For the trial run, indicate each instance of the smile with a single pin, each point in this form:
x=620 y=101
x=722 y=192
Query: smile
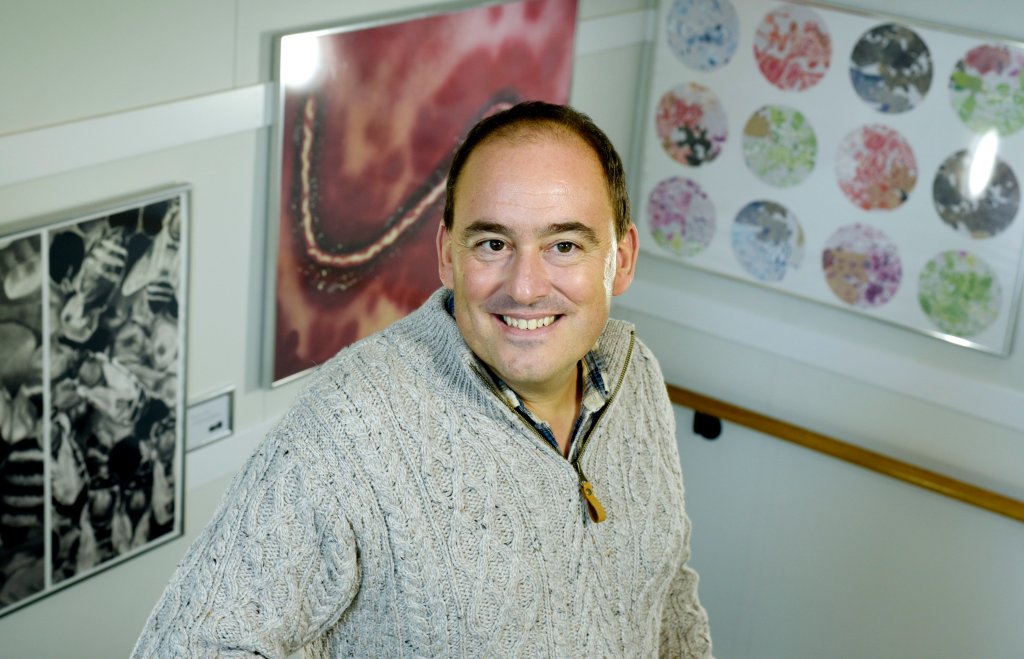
x=528 y=324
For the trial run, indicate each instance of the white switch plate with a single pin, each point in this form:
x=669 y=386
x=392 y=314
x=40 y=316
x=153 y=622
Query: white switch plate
x=209 y=420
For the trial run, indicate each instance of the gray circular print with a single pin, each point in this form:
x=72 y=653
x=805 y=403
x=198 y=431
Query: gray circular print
x=981 y=212
x=891 y=68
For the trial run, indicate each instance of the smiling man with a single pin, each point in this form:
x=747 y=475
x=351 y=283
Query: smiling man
x=533 y=251
x=494 y=475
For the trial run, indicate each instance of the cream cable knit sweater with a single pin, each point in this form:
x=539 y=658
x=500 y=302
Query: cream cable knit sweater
x=400 y=509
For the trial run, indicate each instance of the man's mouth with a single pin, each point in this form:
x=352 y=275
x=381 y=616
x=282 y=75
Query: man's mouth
x=528 y=324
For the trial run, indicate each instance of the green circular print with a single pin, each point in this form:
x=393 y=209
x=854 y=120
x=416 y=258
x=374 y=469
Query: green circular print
x=691 y=124
x=891 y=68
x=779 y=145
x=680 y=216
x=959 y=293
x=980 y=213
x=987 y=90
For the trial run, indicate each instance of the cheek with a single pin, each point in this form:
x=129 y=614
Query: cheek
x=588 y=281
x=477 y=280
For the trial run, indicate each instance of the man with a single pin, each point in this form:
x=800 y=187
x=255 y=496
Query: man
x=494 y=475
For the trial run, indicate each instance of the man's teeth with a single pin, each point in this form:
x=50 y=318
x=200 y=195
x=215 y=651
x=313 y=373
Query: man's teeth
x=531 y=324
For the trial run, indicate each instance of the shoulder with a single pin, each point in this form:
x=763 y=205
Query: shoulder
x=621 y=343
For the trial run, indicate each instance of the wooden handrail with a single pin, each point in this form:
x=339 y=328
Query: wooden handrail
x=882 y=464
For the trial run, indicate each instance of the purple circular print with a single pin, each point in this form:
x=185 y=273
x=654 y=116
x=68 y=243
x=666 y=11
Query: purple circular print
x=876 y=167
x=680 y=216
x=767 y=240
x=984 y=211
x=691 y=124
x=703 y=33
x=987 y=89
x=862 y=266
x=793 y=48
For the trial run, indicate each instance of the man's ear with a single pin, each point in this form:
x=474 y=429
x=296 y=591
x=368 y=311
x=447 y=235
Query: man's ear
x=626 y=253
x=444 y=256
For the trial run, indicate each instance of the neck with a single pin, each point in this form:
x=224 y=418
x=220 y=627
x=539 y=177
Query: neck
x=558 y=407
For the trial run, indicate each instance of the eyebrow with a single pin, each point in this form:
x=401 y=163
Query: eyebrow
x=583 y=230
x=485 y=226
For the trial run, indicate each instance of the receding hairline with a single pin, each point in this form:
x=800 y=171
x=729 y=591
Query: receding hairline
x=538 y=131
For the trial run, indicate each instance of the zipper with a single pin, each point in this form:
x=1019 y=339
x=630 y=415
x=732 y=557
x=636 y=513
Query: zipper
x=594 y=508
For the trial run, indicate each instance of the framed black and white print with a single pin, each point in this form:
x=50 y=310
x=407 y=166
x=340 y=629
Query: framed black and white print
x=92 y=347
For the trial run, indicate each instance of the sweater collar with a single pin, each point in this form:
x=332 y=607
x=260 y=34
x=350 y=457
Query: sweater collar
x=610 y=349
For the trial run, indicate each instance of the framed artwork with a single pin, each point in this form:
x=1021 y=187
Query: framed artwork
x=870 y=163
x=369 y=116
x=92 y=347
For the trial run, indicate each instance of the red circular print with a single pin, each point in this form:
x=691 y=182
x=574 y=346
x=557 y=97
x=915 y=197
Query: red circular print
x=862 y=266
x=876 y=168
x=691 y=124
x=793 y=48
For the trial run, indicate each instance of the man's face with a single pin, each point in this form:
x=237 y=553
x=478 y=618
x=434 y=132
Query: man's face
x=533 y=259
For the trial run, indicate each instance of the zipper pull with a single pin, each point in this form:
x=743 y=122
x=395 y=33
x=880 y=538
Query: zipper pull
x=594 y=507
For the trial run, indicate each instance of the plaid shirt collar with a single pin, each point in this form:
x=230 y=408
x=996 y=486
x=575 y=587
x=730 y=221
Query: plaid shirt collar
x=595 y=395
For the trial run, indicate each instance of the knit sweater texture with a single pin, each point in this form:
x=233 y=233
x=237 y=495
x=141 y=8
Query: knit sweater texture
x=401 y=509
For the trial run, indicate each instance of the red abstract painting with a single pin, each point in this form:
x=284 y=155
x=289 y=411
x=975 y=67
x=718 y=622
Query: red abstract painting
x=365 y=148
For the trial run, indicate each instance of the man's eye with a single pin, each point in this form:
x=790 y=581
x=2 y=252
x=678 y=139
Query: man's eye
x=494 y=245
x=564 y=247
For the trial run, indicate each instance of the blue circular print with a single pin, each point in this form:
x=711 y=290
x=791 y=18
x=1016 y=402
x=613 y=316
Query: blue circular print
x=703 y=33
x=767 y=240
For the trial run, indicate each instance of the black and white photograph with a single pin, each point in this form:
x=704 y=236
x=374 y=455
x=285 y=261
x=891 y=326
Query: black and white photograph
x=92 y=397
x=22 y=474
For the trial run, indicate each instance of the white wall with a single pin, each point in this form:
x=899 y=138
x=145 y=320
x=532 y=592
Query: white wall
x=800 y=555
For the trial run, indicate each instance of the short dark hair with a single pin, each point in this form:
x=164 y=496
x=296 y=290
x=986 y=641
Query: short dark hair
x=532 y=117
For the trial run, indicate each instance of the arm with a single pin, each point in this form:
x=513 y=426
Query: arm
x=274 y=569
x=684 y=623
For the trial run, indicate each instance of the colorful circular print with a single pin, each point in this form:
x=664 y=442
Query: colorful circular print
x=680 y=216
x=793 y=48
x=959 y=293
x=862 y=266
x=691 y=124
x=891 y=68
x=779 y=145
x=703 y=33
x=987 y=89
x=767 y=240
x=982 y=213
x=876 y=168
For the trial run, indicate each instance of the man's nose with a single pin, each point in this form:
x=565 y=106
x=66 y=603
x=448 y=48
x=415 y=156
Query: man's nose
x=528 y=279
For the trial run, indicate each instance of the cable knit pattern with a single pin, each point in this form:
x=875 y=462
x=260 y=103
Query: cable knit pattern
x=400 y=509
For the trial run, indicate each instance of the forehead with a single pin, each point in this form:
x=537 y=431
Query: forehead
x=546 y=171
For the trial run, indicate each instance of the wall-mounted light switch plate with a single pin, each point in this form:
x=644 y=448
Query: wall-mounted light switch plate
x=209 y=420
